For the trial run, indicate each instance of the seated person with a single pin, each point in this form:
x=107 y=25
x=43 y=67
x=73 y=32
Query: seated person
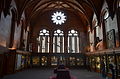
x=62 y=73
x=60 y=67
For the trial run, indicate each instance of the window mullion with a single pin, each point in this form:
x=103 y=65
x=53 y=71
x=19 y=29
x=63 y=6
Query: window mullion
x=41 y=38
x=75 y=44
x=61 y=44
x=55 y=44
x=46 y=44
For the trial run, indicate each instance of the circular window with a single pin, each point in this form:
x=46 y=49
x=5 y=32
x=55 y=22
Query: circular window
x=58 y=18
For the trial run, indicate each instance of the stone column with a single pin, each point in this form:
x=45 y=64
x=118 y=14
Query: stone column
x=61 y=44
x=65 y=42
x=46 y=44
x=76 y=44
x=51 y=42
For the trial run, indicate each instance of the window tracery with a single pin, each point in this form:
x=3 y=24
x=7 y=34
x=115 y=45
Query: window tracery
x=58 y=41
x=73 y=42
x=43 y=41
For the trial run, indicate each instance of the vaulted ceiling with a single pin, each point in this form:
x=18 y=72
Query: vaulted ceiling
x=83 y=8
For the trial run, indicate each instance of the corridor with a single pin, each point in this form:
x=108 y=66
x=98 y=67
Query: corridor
x=46 y=73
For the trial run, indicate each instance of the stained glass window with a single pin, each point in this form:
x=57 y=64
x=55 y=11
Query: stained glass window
x=43 y=41
x=58 y=41
x=73 y=42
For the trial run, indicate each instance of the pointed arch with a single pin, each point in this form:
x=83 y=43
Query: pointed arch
x=14 y=17
x=73 y=41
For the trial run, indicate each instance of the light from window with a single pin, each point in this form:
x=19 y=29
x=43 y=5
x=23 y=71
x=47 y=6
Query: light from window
x=58 y=18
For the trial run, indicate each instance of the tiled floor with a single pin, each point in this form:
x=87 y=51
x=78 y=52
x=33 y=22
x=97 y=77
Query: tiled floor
x=46 y=73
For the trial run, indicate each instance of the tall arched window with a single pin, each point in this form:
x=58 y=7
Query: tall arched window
x=73 y=42
x=58 y=41
x=43 y=41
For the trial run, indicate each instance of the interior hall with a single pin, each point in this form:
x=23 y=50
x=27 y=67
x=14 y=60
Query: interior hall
x=59 y=39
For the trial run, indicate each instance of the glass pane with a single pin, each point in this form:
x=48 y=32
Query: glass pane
x=73 y=42
x=43 y=41
x=58 y=41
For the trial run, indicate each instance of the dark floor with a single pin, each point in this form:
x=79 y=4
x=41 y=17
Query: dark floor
x=46 y=73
